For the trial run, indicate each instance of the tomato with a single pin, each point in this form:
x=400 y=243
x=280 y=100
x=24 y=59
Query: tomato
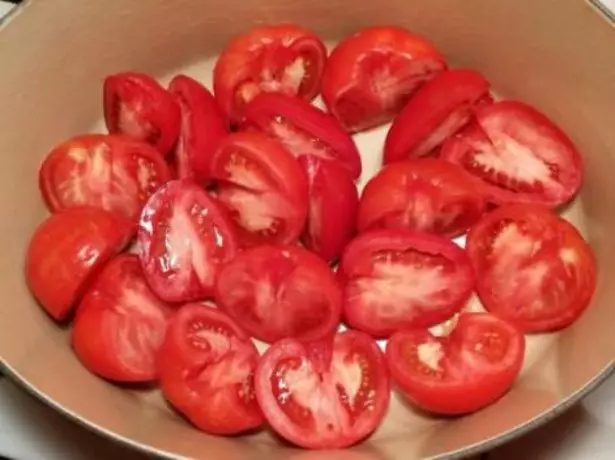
x=111 y=172
x=202 y=128
x=533 y=268
x=137 y=105
x=521 y=155
x=304 y=130
x=372 y=74
x=466 y=371
x=262 y=186
x=184 y=238
x=326 y=394
x=397 y=278
x=120 y=324
x=282 y=58
x=439 y=109
x=280 y=291
x=425 y=194
x=67 y=250
x=207 y=365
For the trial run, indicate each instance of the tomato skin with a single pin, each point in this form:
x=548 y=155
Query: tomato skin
x=341 y=418
x=67 y=250
x=438 y=109
x=137 y=105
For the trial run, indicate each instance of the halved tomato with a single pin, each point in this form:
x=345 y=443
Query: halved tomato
x=372 y=74
x=534 y=269
x=275 y=292
x=439 y=109
x=184 y=238
x=521 y=155
x=282 y=58
x=112 y=172
x=207 y=365
x=137 y=105
x=396 y=279
x=426 y=194
x=461 y=373
x=120 y=324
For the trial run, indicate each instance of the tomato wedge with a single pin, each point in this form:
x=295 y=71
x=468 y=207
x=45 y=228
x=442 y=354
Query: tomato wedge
x=185 y=236
x=426 y=194
x=372 y=74
x=274 y=292
x=395 y=279
x=207 y=365
x=521 y=155
x=120 y=324
x=324 y=395
x=534 y=269
x=461 y=373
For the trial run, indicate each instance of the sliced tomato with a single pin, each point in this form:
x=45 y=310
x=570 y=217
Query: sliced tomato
x=281 y=291
x=533 y=268
x=521 y=155
x=120 y=324
x=184 y=238
x=207 y=365
x=263 y=187
x=466 y=371
x=397 y=278
x=439 y=109
x=111 y=172
x=372 y=74
x=137 y=105
x=202 y=127
x=67 y=250
x=303 y=129
x=426 y=194
x=324 y=395
x=282 y=58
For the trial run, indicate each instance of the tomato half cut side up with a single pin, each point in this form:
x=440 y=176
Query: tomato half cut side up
x=207 y=366
x=120 y=324
x=396 y=278
x=439 y=109
x=534 y=269
x=137 y=105
x=371 y=75
x=521 y=155
x=279 y=58
x=426 y=194
x=471 y=368
x=184 y=236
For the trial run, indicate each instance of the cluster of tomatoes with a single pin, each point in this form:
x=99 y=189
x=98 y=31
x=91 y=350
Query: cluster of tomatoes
x=242 y=201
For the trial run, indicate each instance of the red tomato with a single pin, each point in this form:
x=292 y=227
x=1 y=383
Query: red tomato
x=275 y=292
x=283 y=58
x=263 y=187
x=111 y=172
x=67 y=250
x=396 y=279
x=426 y=194
x=461 y=373
x=202 y=128
x=324 y=395
x=372 y=74
x=519 y=153
x=437 y=110
x=184 y=238
x=207 y=365
x=120 y=324
x=137 y=105
x=304 y=130
x=533 y=268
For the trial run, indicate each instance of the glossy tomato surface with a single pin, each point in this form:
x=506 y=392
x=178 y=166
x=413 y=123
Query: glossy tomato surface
x=324 y=395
